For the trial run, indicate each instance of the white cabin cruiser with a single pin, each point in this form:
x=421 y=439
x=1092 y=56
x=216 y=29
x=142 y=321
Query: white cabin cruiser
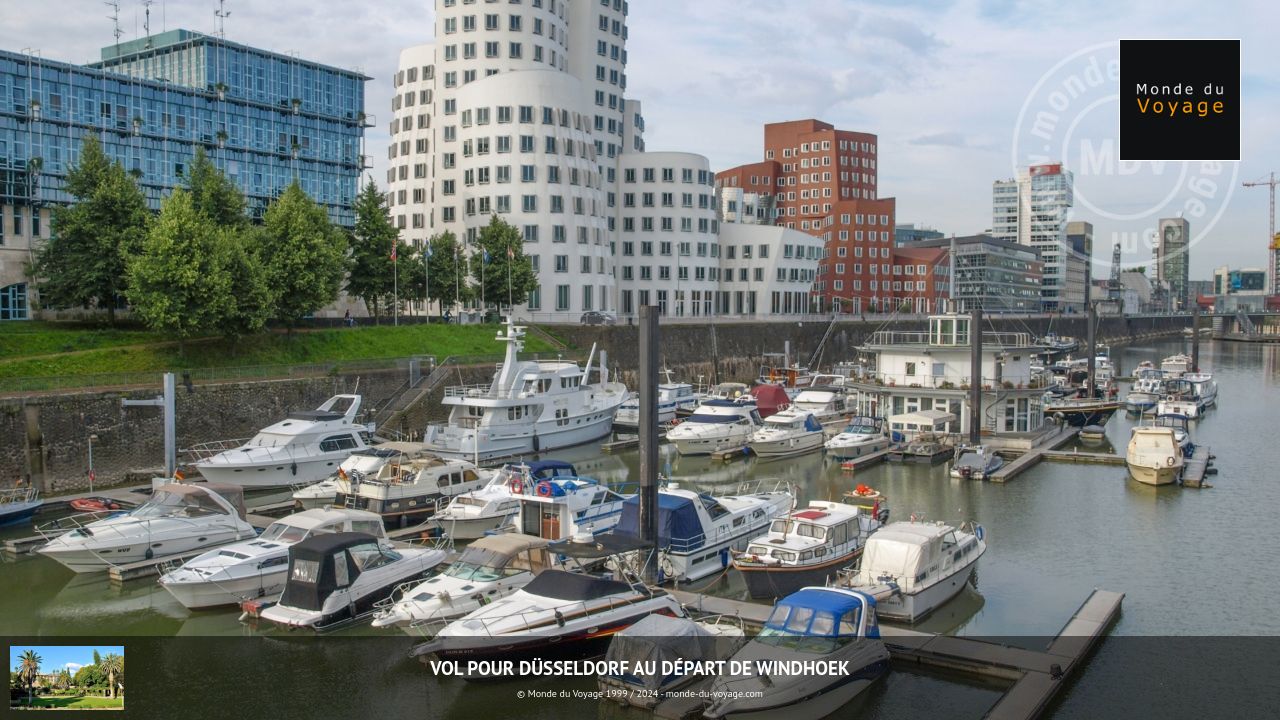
x=362 y=463
x=177 y=519
x=558 y=614
x=788 y=432
x=305 y=447
x=829 y=403
x=258 y=567
x=555 y=503
x=1203 y=387
x=473 y=514
x=488 y=569
x=815 y=624
x=697 y=533
x=862 y=436
x=975 y=462
x=912 y=568
x=531 y=406
x=673 y=399
x=335 y=579
x=1146 y=391
x=1153 y=456
x=716 y=425
x=408 y=492
x=1175 y=365
x=806 y=547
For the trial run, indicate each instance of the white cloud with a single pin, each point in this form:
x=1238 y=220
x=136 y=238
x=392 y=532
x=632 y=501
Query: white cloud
x=72 y=666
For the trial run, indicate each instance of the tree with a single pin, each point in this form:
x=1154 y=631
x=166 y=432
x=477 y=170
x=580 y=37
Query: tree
x=179 y=282
x=371 y=274
x=503 y=245
x=64 y=678
x=113 y=665
x=213 y=194
x=29 y=668
x=304 y=255
x=447 y=270
x=84 y=262
x=251 y=301
x=97 y=659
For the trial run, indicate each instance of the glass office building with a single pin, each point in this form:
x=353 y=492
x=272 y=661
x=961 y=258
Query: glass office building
x=264 y=118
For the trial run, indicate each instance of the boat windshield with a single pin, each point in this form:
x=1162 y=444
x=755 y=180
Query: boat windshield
x=709 y=419
x=802 y=529
x=266 y=439
x=861 y=429
x=168 y=504
x=808 y=630
x=481 y=565
x=283 y=532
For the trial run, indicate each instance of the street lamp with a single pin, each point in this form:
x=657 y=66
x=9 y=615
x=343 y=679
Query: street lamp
x=92 y=437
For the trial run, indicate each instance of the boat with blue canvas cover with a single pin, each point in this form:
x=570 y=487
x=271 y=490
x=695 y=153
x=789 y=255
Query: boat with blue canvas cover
x=831 y=625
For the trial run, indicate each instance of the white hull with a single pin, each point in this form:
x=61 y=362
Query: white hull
x=707 y=443
x=213 y=593
x=858 y=449
x=821 y=706
x=1155 y=475
x=513 y=441
x=911 y=607
x=470 y=528
x=1190 y=408
x=278 y=473
x=98 y=558
x=793 y=445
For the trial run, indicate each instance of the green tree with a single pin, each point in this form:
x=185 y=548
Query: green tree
x=113 y=666
x=97 y=659
x=29 y=669
x=504 y=247
x=252 y=301
x=178 y=283
x=84 y=262
x=213 y=194
x=447 y=269
x=304 y=255
x=371 y=275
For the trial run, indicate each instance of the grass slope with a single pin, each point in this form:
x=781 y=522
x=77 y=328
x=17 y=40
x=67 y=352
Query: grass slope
x=126 y=352
x=73 y=703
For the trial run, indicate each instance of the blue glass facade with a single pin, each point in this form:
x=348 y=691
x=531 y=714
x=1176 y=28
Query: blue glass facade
x=264 y=118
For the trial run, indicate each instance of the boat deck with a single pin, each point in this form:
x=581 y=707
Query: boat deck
x=1036 y=676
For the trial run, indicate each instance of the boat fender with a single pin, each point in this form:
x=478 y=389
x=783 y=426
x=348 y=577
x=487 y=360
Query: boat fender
x=148 y=554
x=979 y=532
x=544 y=489
x=724 y=557
x=293 y=467
x=536 y=444
x=559 y=618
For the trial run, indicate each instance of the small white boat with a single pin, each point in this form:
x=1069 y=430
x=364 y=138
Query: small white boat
x=1153 y=456
x=257 y=568
x=912 y=568
x=975 y=462
x=829 y=403
x=662 y=638
x=697 y=533
x=1145 y=392
x=715 y=426
x=806 y=547
x=862 y=436
x=335 y=579
x=410 y=491
x=18 y=504
x=472 y=514
x=1175 y=365
x=1181 y=431
x=488 y=569
x=179 y=518
x=813 y=624
x=558 y=504
x=558 y=614
x=305 y=447
x=1180 y=401
x=1203 y=388
x=673 y=399
x=362 y=463
x=789 y=432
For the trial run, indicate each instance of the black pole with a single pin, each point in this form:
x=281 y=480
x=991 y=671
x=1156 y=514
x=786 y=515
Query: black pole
x=648 y=377
x=975 y=369
x=1092 y=319
x=1195 y=336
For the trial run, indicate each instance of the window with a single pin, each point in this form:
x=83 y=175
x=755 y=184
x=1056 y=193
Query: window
x=562 y=297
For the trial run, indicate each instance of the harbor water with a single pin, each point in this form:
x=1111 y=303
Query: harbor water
x=1054 y=533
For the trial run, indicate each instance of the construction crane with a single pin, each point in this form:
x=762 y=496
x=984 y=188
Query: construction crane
x=1273 y=246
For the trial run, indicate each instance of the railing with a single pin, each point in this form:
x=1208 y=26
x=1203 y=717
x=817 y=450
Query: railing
x=531 y=619
x=948 y=382
x=476 y=390
x=204 y=451
x=921 y=337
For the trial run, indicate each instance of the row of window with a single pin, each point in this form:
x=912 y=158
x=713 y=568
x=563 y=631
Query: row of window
x=667 y=224
x=649 y=175
x=668 y=200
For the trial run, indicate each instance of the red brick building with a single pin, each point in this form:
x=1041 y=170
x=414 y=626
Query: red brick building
x=823 y=181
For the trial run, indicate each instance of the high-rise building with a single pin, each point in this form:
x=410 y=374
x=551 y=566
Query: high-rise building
x=264 y=118
x=992 y=274
x=822 y=181
x=1032 y=209
x=1172 y=260
x=905 y=234
x=519 y=111
x=1080 y=243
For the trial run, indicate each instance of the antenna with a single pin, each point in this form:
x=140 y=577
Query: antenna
x=223 y=13
x=146 y=20
x=114 y=17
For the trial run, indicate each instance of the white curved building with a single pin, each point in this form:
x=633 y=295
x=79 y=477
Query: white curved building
x=411 y=168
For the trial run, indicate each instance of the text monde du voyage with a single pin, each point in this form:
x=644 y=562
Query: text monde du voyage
x=1179 y=99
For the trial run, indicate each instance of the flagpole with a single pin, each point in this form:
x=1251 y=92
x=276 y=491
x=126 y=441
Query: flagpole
x=395 y=270
x=426 y=278
x=510 y=259
x=483 y=262
x=457 y=282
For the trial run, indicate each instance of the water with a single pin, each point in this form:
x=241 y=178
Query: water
x=1054 y=534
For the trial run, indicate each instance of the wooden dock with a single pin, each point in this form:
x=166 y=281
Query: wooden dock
x=1197 y=467
x=731 y=454
x=1032 y=457
x=1035 y=676
x=626 y=443
x=1083 y=457
x=857 y=463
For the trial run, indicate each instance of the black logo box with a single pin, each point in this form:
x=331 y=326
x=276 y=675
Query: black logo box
x=1205 y=73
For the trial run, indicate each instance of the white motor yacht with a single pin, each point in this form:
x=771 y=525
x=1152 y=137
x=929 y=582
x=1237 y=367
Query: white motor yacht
x=697 y=533
x=178 y=518
x=362 y=463
x=558 y=614
x=975 y=462
x=490 y=568
x=814 y=624
x=336 y=578
x=912 y=568
x=1175 y=365
x=673 y=398
x=258 y=567
x=806 y=547
x=531 y=406
x=829 y=403
x=862 y=436
x=1154 y=456
x=555 y=503
x=1145 y=392
x=473 y=514
x=305 y=447
x=410 y=491
x=789 y=432
x=1203 y=388
x=716 y=425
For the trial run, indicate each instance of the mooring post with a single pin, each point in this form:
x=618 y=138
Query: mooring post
x=975 y=370
x=1195 y=337
x=1092 y=319
x=648 y=377
x=170 y=427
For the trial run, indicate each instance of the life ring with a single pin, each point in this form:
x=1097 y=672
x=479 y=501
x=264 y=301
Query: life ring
x=1170 y=460
x=1170 y=398
x=543 y=489
x=863 y=490
x=516 y=484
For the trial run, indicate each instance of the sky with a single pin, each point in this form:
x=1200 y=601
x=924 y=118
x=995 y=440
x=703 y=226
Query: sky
x=54 y=658
x=942 y=82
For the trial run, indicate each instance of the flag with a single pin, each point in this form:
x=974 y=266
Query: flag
x=177 y=475
x=486 y=257
x=393 y=253
x=427 y=249
x=511 y=254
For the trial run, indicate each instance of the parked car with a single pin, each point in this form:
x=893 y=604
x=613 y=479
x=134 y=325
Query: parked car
x=598 y=317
